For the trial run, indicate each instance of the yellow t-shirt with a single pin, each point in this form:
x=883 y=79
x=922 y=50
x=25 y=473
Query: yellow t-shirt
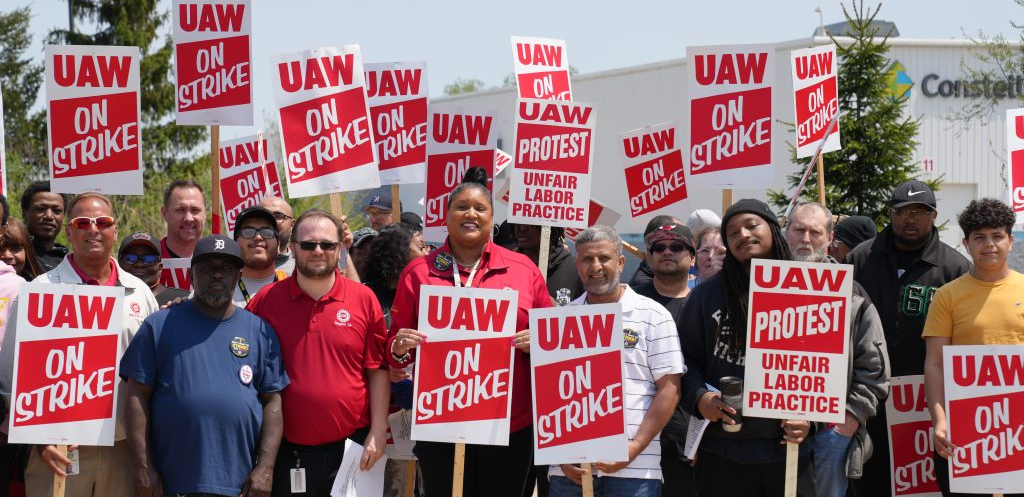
x=975 y=312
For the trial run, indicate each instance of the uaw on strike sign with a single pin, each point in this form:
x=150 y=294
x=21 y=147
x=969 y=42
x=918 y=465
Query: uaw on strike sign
x=816 y=93
x=398 y=108
x=247 y=175
x=576 y=361
x=65 y=364
x=984 y=386
x=326 y=133
x=1015 y=160
x=730 y=91
x=553 y=154
x=213 y=61
x=797 y=343
x=541 y=68
x=92 y=94
x=911 y=449
x=463 y=381
x=654 y=168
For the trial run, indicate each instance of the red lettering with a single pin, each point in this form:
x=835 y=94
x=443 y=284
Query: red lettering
x=732 y=69
x=461 y=128
x=107 y=71
x=539 y=55
x=219 y=17
x=322 y=72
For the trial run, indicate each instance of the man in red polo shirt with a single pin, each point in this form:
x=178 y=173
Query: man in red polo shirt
x=332 y=336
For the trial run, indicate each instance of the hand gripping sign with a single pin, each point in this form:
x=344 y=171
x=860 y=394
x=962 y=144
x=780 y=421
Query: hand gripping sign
x=1015 y=160
x=326 y=133
x=984 y=386
x=816 y=94
x=798 y=341
x=463 y=380
x=654 y=168
x=542 y=68
x=457 y=139
x=398 y=109
x=730 y=91
x=576 y=361
x=245 y=178
x=66 y=356
x=910 y=439
x=213 y=62
x=92 y=94
x=553 y=154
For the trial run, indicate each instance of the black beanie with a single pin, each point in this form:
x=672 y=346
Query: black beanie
x=745 y=206
x=855 y=229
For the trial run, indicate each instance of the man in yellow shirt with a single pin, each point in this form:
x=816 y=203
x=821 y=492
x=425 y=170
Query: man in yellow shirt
x=982 y=307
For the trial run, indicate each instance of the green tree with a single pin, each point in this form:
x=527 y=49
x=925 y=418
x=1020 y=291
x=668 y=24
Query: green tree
x=461 y=86
x=878 y=137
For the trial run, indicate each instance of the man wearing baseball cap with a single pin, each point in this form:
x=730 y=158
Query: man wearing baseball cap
x=204 y=388
x=900 y=270
x=140 y=255
x=378 y=208
x=257 y=237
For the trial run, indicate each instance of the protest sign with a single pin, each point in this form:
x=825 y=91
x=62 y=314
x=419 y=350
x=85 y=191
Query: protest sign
x=984 y=387
x=730 y=90
x=246 y=164
x=92 y=96
x=1015 y=160
x=911 y=451
x=398 y=94
x=177 y=273
x=541 y=67
x=553 y=154
x=67 y=348
x=324 y=118
x=502 y=160
x=463 y=380
x=816 y=94
x=457 y=139
x=799 y=322
x=3 y=150
x=654 y=168
x=213 y=62
x=599 y=214
x=577 y=372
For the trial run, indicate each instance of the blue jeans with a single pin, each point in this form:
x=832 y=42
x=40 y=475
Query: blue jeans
x=830 y=463
x=607 y=486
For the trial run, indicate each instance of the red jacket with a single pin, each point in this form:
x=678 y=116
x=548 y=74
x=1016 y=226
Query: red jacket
x=499 y=269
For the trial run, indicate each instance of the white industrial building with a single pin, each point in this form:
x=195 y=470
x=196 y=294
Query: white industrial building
x=970 y=160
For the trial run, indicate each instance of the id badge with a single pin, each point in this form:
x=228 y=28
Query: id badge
x=298 y=480
x=73 y=467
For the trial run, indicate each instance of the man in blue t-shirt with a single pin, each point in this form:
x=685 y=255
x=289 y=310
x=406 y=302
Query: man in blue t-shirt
x=204 y=389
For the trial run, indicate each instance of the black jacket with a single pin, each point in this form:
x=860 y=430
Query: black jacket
x=563 y=276
x=902 y=302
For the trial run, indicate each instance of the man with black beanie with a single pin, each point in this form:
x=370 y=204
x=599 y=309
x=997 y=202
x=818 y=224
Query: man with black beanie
x=849 y=233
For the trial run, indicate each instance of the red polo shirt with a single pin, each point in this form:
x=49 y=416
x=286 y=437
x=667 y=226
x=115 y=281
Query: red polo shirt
x=111 y=281
x=499 y=268
x=326 y=346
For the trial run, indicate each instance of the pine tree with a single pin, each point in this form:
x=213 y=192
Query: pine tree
x=878 y=137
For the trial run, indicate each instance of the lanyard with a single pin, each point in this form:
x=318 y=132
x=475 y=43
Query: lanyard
x=472 y=273
x=245 y=294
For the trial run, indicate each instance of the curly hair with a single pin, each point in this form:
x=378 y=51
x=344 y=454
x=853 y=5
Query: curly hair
x=389 y=255
x=986 y=213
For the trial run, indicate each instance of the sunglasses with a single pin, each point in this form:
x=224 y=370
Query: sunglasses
x=250 y=232
x=147 y=259
x=325 y=246
x=83 y=223
x=661 y=247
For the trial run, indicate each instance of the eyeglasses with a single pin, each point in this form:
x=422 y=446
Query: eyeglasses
x=250 y=232
x=280 y=216
x=83 y=223
x=325 y=246
x=661 y=247
x=147 y=259
x=910 y=213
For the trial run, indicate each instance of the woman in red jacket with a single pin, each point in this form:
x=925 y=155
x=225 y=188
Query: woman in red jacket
x=469 y=258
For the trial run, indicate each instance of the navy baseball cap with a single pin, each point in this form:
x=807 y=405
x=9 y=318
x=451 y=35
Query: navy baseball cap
x=214 y=245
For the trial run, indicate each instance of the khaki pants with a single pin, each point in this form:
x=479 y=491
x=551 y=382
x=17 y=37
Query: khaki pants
x=105 y=472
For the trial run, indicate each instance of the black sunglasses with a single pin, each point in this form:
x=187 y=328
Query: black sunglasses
x=147 y=259
x=250 y=232
x=325 y=246
x=660 y=247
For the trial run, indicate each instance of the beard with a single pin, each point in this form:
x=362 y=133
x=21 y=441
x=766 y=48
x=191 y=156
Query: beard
x=817 y=254
x=214 y=298
x=310 y=271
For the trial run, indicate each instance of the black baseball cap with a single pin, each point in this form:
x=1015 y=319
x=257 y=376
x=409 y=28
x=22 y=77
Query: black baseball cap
x=912 y=192
x=251 y=212
x=139 y=238
x=214 y=245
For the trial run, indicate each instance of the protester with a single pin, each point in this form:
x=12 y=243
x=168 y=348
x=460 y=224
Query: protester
x=702 y=219
x=469 y=257
x=849 y=233
x=643 y=272
x=378 y=208
x=414 y=220
x=710 y=253
x=362 y=245
x=283 y=216
x=978 y=308
x=11 y=455
x=653 y=366
x=44 y=216
x=751 y=461
x=256 y=233
x=16 y=250
x=184 y=212
x=901 y=269
x=200 y=420
x=104 y=470
x=332 y=336
x=841 y=449
x=140 y=255
x=563 y=281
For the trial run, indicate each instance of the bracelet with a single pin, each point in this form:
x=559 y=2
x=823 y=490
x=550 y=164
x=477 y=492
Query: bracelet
x=399 y=358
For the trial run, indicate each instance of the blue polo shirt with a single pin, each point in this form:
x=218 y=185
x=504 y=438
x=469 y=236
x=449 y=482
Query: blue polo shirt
x=205 y=411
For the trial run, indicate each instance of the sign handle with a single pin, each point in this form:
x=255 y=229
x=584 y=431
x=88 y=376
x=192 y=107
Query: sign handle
x=410 y=478
x=792 y=456
x=336 y=209
x=821 y=180
x=58 y=480
x=545 y=250
x=459 y=472
x=396 y=204
x=215 y=178
x=726 y=200
x=588 y=480
x=634 y=250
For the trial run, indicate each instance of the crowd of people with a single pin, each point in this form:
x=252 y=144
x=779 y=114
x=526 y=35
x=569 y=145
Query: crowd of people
x=298 y=334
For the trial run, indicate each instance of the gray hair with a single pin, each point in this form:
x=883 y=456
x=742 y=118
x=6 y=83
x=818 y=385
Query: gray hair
x=600 y=233
x=816 y=205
